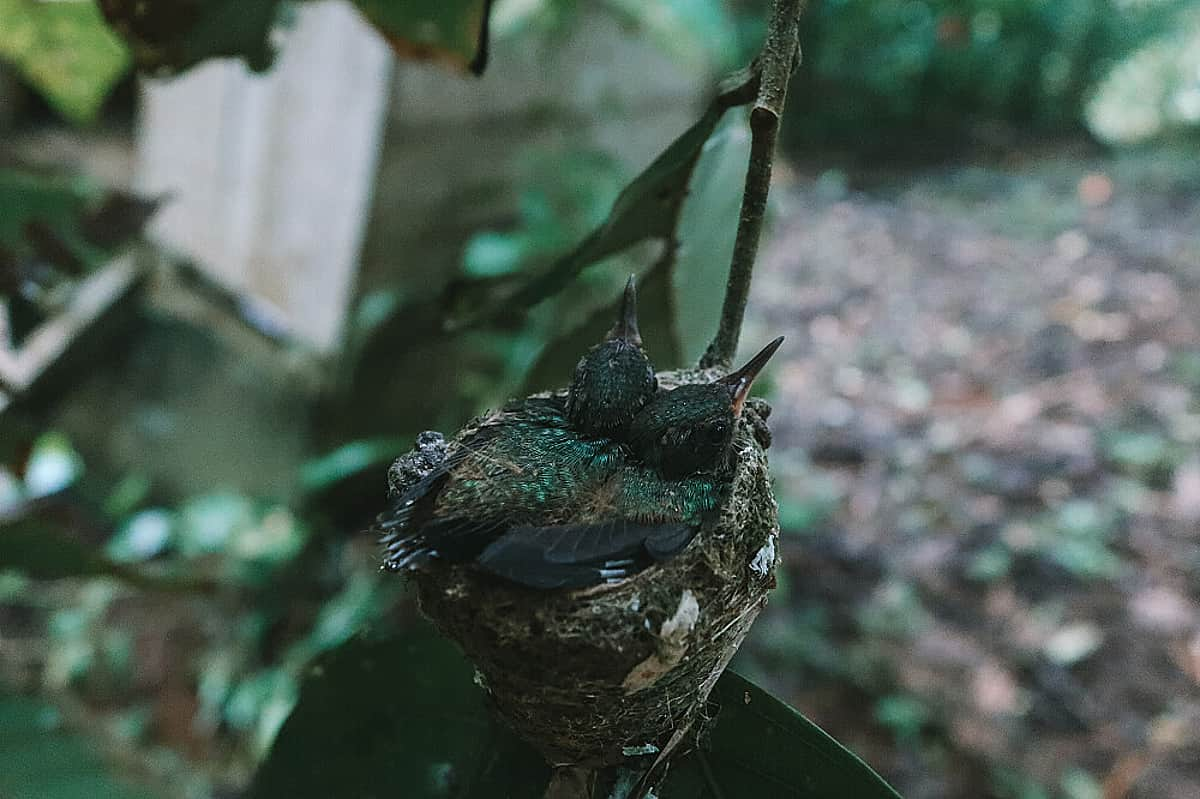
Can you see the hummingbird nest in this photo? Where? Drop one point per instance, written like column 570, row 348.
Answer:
column 605, row 675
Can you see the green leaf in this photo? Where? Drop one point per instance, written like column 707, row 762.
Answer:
column 760, row 747
column 41, row 550
column 1079, row 784
column 691, row 194
column 127, row 495
column 36, row 542
column 65, row 51
column 491, row 254
column 707, row 228
column 27, row 197
column 400, row 716
column 991, row 563
column 53, row 465
column 169, row 36
column 349, row 459
column 143, row 536
column 66, row 224
column 395, row 716
column 451, row 31
column 648, row 208
column 905, row 715
column 211, row 523
column 40, row 759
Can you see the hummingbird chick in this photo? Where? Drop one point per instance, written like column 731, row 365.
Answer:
column 614, row 380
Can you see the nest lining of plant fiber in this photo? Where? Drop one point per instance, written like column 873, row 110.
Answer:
column 598, row 676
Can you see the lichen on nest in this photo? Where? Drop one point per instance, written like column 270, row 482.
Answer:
column 596, row 676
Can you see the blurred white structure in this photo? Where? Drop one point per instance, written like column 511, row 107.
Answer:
column 324, row 178
column 271, row 175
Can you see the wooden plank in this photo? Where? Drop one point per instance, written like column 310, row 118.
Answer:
column 272, row 174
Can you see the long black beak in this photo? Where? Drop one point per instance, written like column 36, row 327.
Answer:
column 626, row 327
column 738, row 383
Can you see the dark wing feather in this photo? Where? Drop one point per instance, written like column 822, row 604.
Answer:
column 668, row 540
column 578, row 555
column 460, row 538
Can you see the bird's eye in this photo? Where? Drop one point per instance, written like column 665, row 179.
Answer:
column 716, row 432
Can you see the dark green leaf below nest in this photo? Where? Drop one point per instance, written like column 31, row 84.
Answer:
column 387, row 716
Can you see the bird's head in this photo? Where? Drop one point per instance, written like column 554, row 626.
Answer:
column 689, row 429
column 614, row 380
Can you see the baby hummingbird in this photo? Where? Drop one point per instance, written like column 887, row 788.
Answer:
column 614, row 380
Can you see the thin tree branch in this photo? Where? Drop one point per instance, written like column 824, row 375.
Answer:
column 780, row 54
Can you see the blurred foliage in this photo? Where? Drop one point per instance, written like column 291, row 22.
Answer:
column 45, row 531
column 327, row 471
column 65, row 51
column 926, row 69
column 215, row 545
column 54, row 230
column 53, row 465
column 168, row 37
column 1077, row 537
column 173, row 36
column 46, row 552
column 1011, row 784
column 41, row 757
column 1153, row 93
column 807, row 497
column 73, row 58
column 699, row 33
column 904, row 715
column 454, row 31
column 1146, row 454
column 30, row 201
column 1079, row 784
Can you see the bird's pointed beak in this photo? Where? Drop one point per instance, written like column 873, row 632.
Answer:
column 738, row 383
column 626, row 327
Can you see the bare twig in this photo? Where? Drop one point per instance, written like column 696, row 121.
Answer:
column 780, row 54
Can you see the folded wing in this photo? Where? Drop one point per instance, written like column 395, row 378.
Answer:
column 579, row 555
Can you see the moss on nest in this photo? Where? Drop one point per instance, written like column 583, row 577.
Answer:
column 596, row 676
